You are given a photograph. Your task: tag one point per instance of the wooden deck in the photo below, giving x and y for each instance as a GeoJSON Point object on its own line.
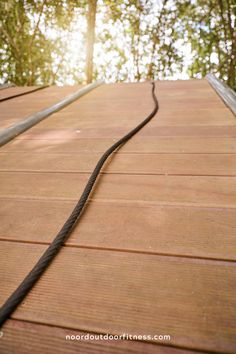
{"type": "Point", "coordinates": [16, 109]}
{"type": "Point", "coordinates": [155, 250]}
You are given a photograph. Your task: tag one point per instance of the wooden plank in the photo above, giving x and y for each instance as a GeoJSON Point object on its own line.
{"type": "Point", "coordinates": [172, 190]}
{"type": "Point", "coordinates": [24, 337]}
{"type": "Point", "coordinates": [11, 91]}
{"type": "Point", "coordinates": [14, 130]}
{"type": "Point", "coordinates": [95, 285]}
{"type": "Point", "coordinates": [195, 89]}
{"type": "Point", "coordinates": [148, 131]}
{"type": "Point", "coordinates": [86, 118]}
{"type": "Point", "coordinates": [131, 200]}
{"type": "Point", "coordinates": [116, 292]}
{"type": "Point", "coordinates": [135, 145]}
{"type": "Point", "coordinates": [173, 164]}
{"type": "Point", "coordinates": [203, 108]}
{"type": "Point", "coordinates": [189, 85]}
{"type": "Point", "coordinates": [197, 190]}
{"type": "Point", "coordinates": [105, 107]}
{"type": "Point", "coordinates": [23, 93]}
{"type": "Point", "coordinates": [114, 117]}
{"type": "Point", "coordinates": [134, 227]}
{"type": "Point", "coordinates": [160, 164]}
{"type": "Point", "coordinates": [23, 106]}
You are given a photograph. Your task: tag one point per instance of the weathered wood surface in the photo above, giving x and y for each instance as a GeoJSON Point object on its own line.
{"type": "Point", "coordinates": [145, 164]}
{"type": "Point", "coordinates": [155, 249]}
{"type": "Point", "coordinates": [149, 228]}
{"type": "Point", "coordinates": [12, 91]}
{"type": "Point", "coordinates": [23, 106]}
{"type": "Point", "coordinates": [120, 292]}
{"type": "Point", "coordinates": [168, 190]}
{"type": "Point", "coordinates": [18, 128]}
{"type": "Point", "coordinates": [51, 339]}
{"type": "Point", "coordinates": [136, 145]}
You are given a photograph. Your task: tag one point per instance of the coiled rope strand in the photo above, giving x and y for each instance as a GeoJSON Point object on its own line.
{"type": "Point", "coordinates": [18, 295]}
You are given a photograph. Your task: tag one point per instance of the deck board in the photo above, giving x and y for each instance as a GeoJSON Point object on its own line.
{"type": "Point", "coordinates": [119, 292]}
{"type": "Point", "coordinates": [155, 249]}
{"type": "Point", "coordinates": [172, 190]}
{"type": "Point", "coordinates": [193, 145]}
{"type": "Point", "coordinates": [217, 131]}
{"type": "Point", "coordinates": [132, 227]}
{"type": "Point", "coordinates": [11, 91]}
{"type": "Point", "coordinates": [15, 110]}
{"type": "Point", "coordinates": [158, 164]}
{"type": "Point", "coordinates": [51, 339]}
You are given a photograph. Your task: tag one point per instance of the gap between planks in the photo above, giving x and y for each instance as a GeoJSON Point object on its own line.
{"type": "Point", "coordinates": [187, 258]}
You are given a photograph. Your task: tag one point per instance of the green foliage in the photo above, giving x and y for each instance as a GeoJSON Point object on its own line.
{"type": "Point", "coordinates": [135, 40]}
{"type": "Point", "coordinates": [210, 27]}
{"type": "Point", "coordinates": [26, 51]}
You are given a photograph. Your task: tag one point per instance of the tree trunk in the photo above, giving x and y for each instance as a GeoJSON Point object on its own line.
{"type": "Point", "coordinates": [91, 24]}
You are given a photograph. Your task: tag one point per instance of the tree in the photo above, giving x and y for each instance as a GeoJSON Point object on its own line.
{"type": "Point", "coordinates": [27, 53]}
{"type": "Point", "coordinates": [91, 24]}
{"type": "Point", "coordinates": [143, 43]}
{"type": "Point", "coordinates": [210, 25]}
{"type": "Point", "coordinates": [19, 40]}
{"type": "Point", "coordinates": [125, 40]}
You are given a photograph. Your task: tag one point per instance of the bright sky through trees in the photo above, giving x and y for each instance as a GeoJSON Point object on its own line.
{"type": "Point", "coordinates": [46, 41]}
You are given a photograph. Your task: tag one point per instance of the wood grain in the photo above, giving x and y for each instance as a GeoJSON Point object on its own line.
{"type": "Point", "coordinates": [135, 145]}
{"type": "Point", "coordinates": [223, 131]}
{"type": "Point", "coordinates": [203, 114]}
{"type": "Point", "coordinates": [24, 106]}
{"type": "Point", "coordinates": [84, 116]}
{"type": "Point", "coordinates": [159, 164]}
{"type": "Point", "coordinates": [135, 227]}
{"type": "Point", "coordinates": [24, 337]}
{"type": "Point", "coordinates": [116, 292]}
{"type": "Point", "coordinates": [155, 250]}
{"type": "Point", "coordinates": [172, 190]}
{"type": "Point", "coordinates": [11, 91]}
{"type": "Point", "coordinates": [183, 190]}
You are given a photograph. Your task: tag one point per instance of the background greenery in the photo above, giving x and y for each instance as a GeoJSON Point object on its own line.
{"type": "Point", "coordinates": [73, 41]}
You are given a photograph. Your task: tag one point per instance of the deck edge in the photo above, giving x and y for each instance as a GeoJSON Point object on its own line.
{"type": "Point", "coordinates": [227, 95]}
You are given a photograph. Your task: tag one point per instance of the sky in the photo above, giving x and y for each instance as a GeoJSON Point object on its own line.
{"type": "Point", "coordinates": [73, 58]}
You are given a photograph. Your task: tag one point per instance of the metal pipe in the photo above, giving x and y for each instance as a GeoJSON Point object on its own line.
{"type": "Point", "coordinates": [11, 132]}
{"type": "Point", "coordinates": [224, 91]}
{"type": "Point", "coordinates": [5, 86]}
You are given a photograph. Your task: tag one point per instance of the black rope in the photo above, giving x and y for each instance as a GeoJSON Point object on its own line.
{"type": "Point", "coordinates": [23, 93]}
{"type": "Point", "coordinates": [18, 295]}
